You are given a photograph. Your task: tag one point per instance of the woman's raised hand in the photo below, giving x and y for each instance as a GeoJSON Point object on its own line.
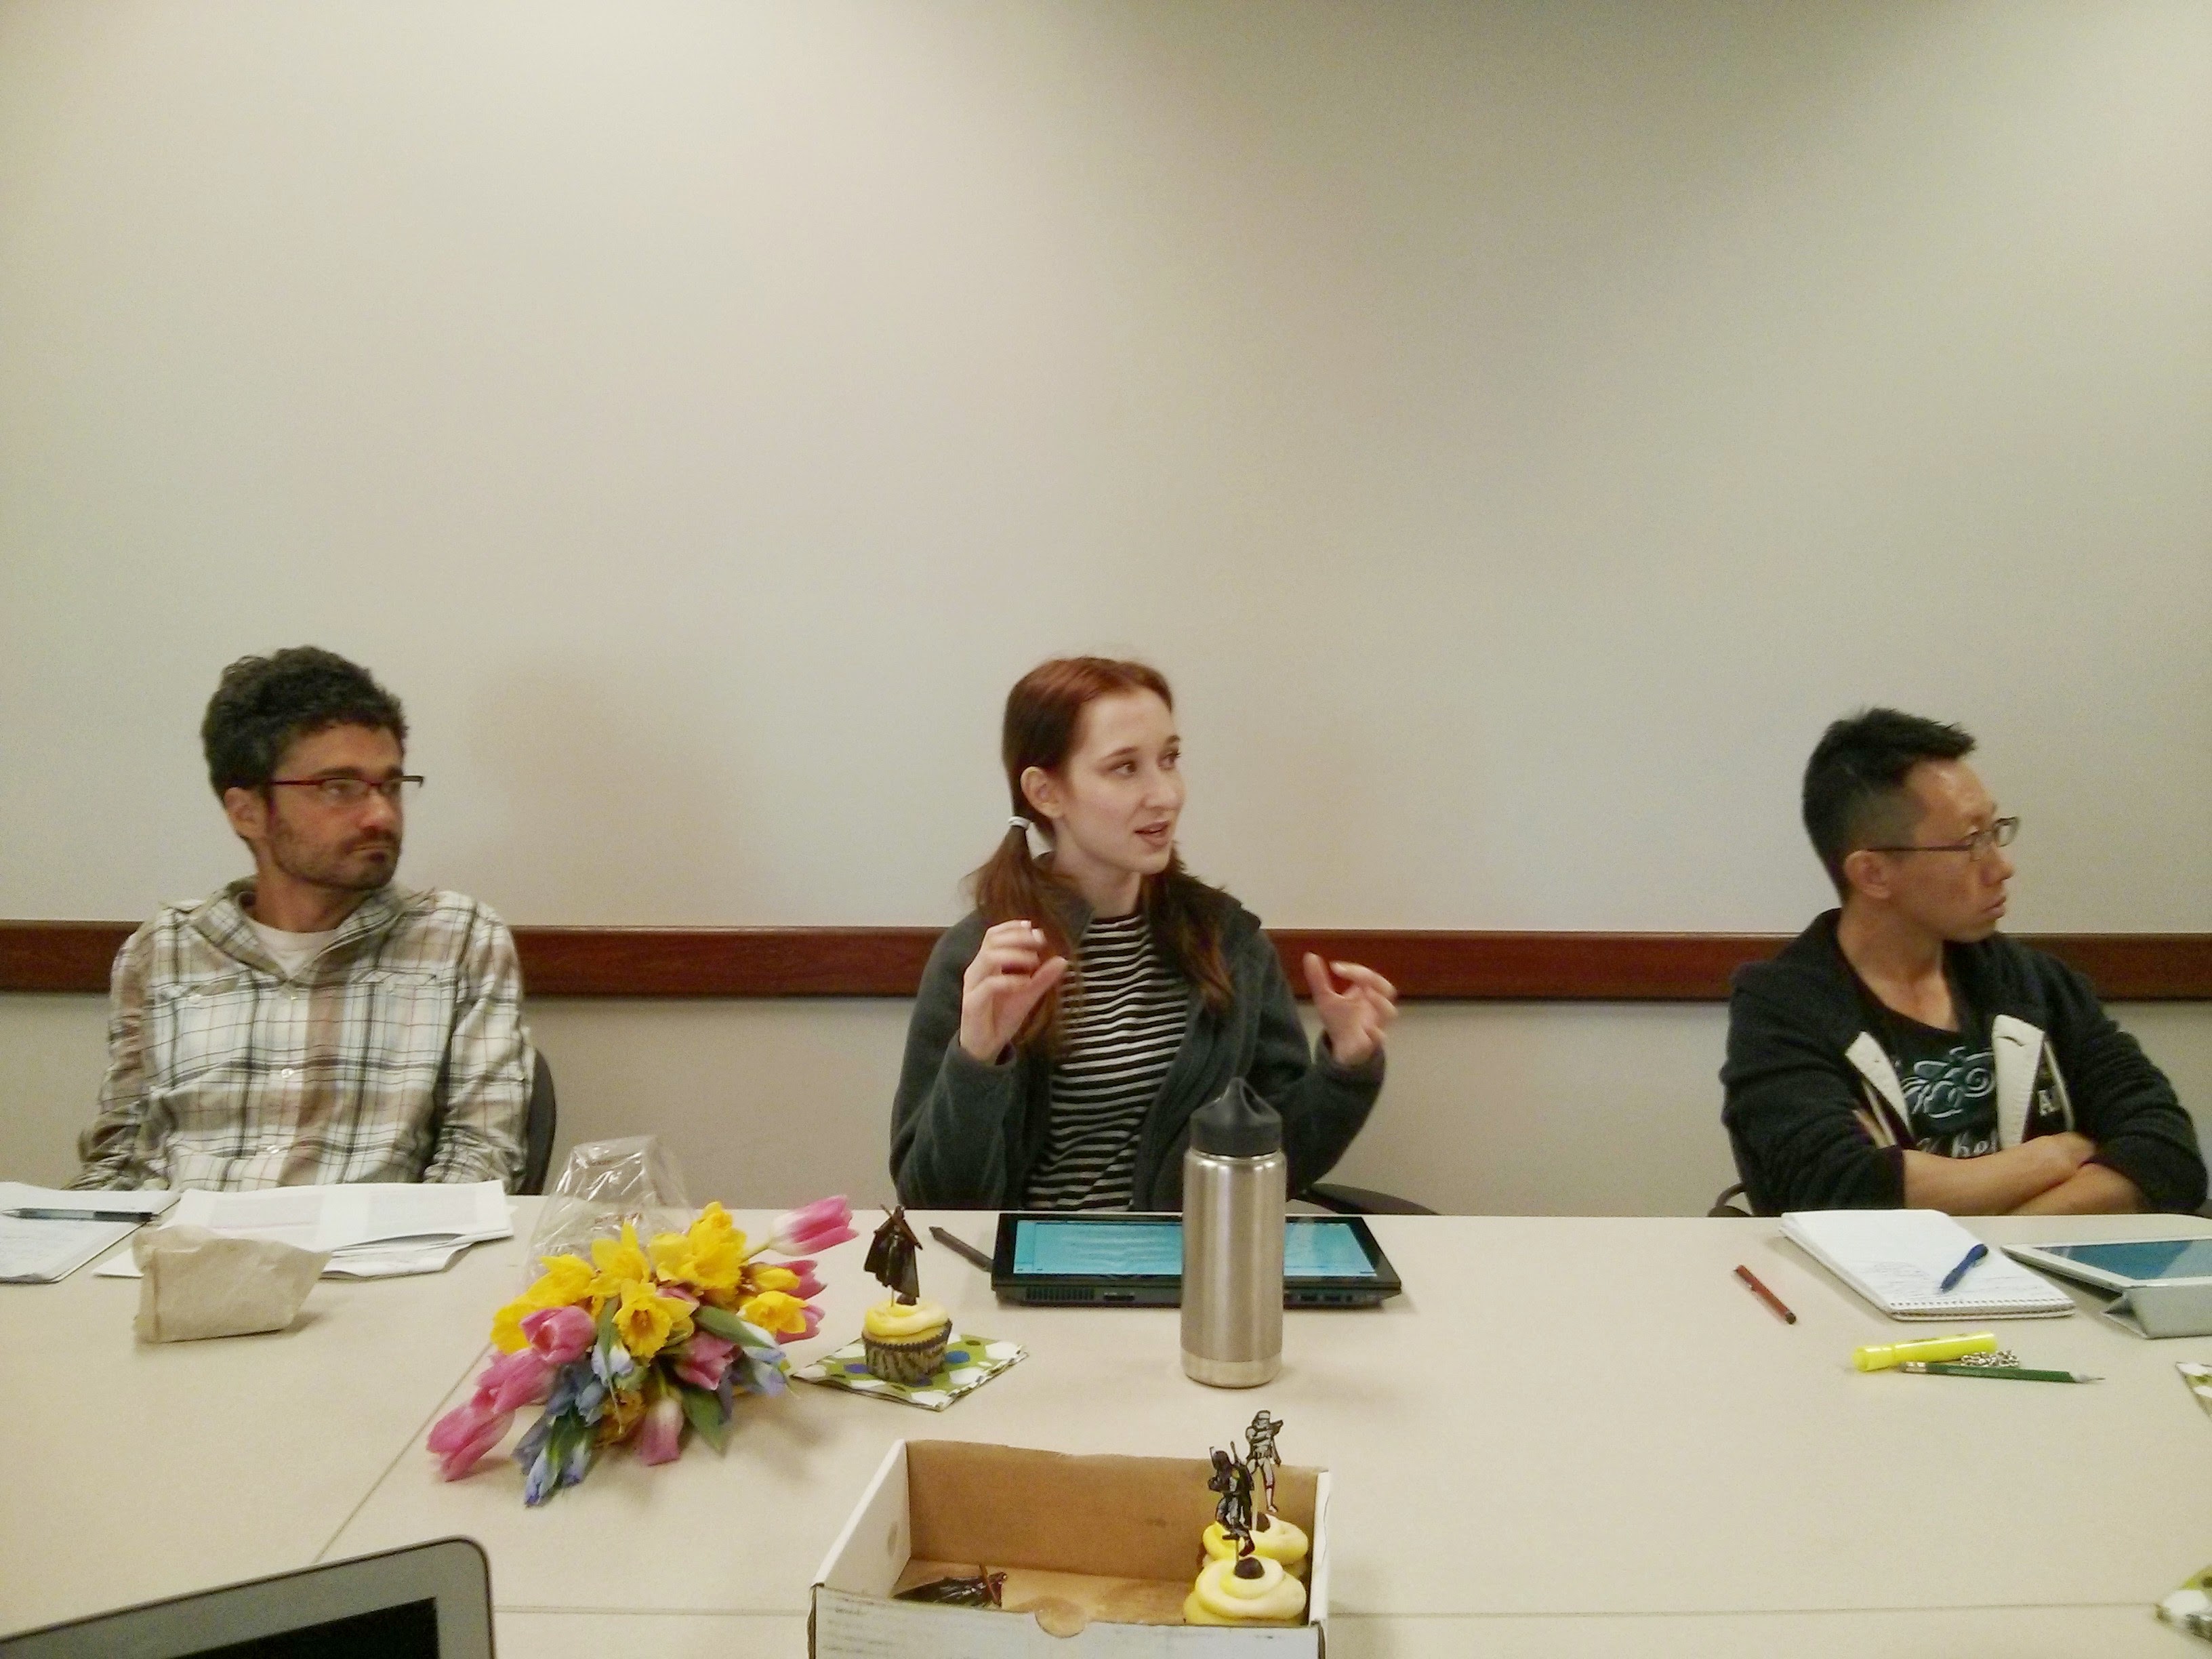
{"type": "Point", "coordinates": [1356, 1017]}
{"type": "Point", "coordinates": [1002, 984]}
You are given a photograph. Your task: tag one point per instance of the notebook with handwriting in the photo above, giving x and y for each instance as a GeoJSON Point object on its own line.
{"type": "Point", "coordinates": [1896, 1259]}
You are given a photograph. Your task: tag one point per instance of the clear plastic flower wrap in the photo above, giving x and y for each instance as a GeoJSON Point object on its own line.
{"type": "Point", "coordinates": [604, 1184]}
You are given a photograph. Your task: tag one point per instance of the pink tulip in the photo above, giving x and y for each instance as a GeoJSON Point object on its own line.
{"type": "Point", "coordinates": [514, 1380]}
{"type": "Point", "coordinates": [813, 1315]}
{"type": "Point", "coordinates": [704, 1359]}
{"type": "Point", "coordinates": [660, 1434]}
{"type": "Point", "coordinates": [464, 1435]}
{"type": "Point", "coordinates": [813, 1226]}
{"type": "Point", "coordinates": [559, 1335]}
{"type": "Point", "coordinates": [808, 1286]}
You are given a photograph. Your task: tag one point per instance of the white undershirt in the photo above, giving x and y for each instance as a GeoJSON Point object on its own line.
{"type": "Point", "coordinates": [293, 952]}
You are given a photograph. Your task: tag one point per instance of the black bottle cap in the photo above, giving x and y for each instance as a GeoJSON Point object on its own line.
{"type": "Point", "coordinates": [1236, 1123]}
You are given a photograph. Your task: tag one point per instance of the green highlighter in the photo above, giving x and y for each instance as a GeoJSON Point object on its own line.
{"type": "Point", "coordinates": [2016, 1373]}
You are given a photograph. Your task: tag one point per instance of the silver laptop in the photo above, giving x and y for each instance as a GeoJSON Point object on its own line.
{"type": "Point", "coordinates": [427, 1601]}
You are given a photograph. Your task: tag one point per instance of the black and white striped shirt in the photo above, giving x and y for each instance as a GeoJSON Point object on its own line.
{"type": "Point", "coordinates": [1123, 1024]}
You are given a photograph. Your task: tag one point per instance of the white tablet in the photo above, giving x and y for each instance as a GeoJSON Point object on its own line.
{"type": "Point", "coordinates": [2123, 1264]}
{"type": "Point", "coordinates": [429, 1602]}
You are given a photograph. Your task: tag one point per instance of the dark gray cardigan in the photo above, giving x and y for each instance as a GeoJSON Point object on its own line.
{"type": "Point", "coordinates": [965, 1135]}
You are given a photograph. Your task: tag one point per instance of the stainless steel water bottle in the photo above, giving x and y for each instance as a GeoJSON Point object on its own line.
{"type": "Point", "coordinates": [1234, 1179]}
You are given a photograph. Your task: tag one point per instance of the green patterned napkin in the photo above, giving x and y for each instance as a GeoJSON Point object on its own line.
{"type": "Point", "coordinates": [969, 1363]}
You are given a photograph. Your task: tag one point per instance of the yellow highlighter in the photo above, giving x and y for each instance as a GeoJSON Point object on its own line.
{"type": "Point", "coordinates": [1925, 1351]}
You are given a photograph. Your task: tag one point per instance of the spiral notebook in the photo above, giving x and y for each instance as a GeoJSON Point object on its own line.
{"type": "Point", "coordinates": [1896, 1259]}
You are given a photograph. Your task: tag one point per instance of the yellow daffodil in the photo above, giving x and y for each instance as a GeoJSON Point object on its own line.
{"type": "Point", "coordinates": [646, 1321]}
{"type": "Point", "coordinates": [672, 1255]}
{"type": "Point", "coordinates": [621, 1258]}
{"type": "Point", "coordinates": [773, 1278]}
{"type": "Point", "coordinates": [775, 1313]}
{"type": "Point", "coordinates": [620, 1262]}
{"type": "Point", "coordinates": [567, 1281]}
{"type": "Point", "coordinates": [710, 1254]}
{"type": "Point", "coordinates": [507, 1325]}
{"type": "Point", "coordinates": [718, 1261]}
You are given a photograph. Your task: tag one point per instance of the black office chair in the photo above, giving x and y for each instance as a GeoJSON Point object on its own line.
{"type": "Point", "coordinates": [1725, 1205]}
{"type": "Point", "coordinates": [537, 1130]}
{"type": "Point", "coordinates": [1360, 1200]}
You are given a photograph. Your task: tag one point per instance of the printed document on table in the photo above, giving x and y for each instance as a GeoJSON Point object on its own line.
{"type": "Point", "coordinates": [41, 1252]}
{"type": "Point", "coordinates": [40, 1249]}
{"type": "Point", "coordinates": [372, 1230]}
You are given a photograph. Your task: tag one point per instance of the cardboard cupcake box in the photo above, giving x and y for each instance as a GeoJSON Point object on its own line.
{"type": "Point", "coordinates": [1099, 1554]}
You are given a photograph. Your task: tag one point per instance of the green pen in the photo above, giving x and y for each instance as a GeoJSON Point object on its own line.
{"type": "Point", "coordinates": [2017, 1373]}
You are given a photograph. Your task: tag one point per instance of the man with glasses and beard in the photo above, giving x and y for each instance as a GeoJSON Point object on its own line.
{"type": "Point", "coordinates": [312, 1022]}
{"type": "Point", "coordinates": [1901, 1051]}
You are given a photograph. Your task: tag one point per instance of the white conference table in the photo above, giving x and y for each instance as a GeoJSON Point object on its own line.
{"type": "Point", "coordinates": [1569, 1437]}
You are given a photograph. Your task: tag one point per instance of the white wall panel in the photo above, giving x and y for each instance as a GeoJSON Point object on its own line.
{"type": "Point", "coordinates": [1515, 429]}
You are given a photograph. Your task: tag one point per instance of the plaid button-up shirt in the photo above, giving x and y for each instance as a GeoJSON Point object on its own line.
{"type": "Point", "coordinates": [397, 1053]}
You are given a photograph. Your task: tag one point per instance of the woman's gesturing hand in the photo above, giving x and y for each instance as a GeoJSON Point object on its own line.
{"type": "Point", "coordinates": [1356, 1017]}
{"type": "Point", "coordinates": [1002, 984]}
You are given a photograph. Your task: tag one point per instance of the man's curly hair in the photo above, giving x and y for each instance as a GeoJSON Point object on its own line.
{"type": "Point", "coordinates": [265, 704]}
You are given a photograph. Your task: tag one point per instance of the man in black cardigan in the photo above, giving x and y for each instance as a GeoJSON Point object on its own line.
{"type": "Point", "coordinates": [1901, 1051]}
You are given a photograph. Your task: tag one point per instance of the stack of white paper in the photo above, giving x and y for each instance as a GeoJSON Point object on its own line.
{"type": "Point", "coordinates": [372, 1230]}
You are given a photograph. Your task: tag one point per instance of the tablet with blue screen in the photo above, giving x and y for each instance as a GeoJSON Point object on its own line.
{"type": "Point", "coordinates": [2123, 1264]}
{"type": "Point", "coordinates": [1136, 1260]}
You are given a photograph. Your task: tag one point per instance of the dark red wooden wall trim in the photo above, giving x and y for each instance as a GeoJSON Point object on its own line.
{"type": "Point", "coordinates": [887, 961]}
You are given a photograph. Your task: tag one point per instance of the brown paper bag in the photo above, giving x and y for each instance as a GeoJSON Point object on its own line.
{"type": "Point", "coordinates": [199, 1283]}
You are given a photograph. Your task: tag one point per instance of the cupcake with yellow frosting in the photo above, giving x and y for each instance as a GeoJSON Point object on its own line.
{"type": "Point", "coordinates": [905, 1340]}
{"type": "Point", "coordinates": [904, 1337]}
{"type": "Point", "coordinates": [1252, 1591]}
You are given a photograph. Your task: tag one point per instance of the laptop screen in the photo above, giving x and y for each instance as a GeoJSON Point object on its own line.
{"type": "Point", "coordinates": [402, 1632]}
{"type": "Point", "coordinates": [427, 1601]}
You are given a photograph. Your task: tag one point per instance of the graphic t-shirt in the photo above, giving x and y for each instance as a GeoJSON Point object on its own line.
{"type": "Point", "coordinates": [1949, 1079]}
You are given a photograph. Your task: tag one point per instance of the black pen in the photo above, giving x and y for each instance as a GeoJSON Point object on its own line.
{"type": "Point", "coordinates": [962, 1248]}
{"type": "Point", "coordinates": [131, 1216]}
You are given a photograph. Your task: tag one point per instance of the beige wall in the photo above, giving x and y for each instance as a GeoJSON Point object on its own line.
{"type": "Point", "coordinates": [1490, 1110]}
{"type": "Point", "coordinates": [1516, 428]}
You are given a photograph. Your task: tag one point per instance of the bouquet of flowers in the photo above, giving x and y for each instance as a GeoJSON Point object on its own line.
{"type": "Point", "coordinates": [639, 1341]}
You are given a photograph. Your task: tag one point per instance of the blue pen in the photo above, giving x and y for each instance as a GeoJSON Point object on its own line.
{"type": "Point", "coordinates": [1951, 1279]}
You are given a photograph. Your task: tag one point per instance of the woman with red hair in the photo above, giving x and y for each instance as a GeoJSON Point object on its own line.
{"type": "Point", "coordinates": [1100, 993]}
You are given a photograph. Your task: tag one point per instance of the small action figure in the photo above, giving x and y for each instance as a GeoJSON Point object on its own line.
{"type": "Point", "coordinates": [890, 1257]}
{"type": "Point", "coordinates": [1260, 1452]}
{"type": "Point", "coordinates": [1233, 1480]}
{"type": "Point", "coordinates": [1253, 1557]}
{"type": "Point", "coordinates": [982, 1590]}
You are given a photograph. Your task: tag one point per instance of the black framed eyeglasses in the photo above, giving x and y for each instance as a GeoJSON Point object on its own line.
{"type": "Point", "coordinates": [352, 792]}
{"type": "Point", "coordinates": [1999, 834]}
